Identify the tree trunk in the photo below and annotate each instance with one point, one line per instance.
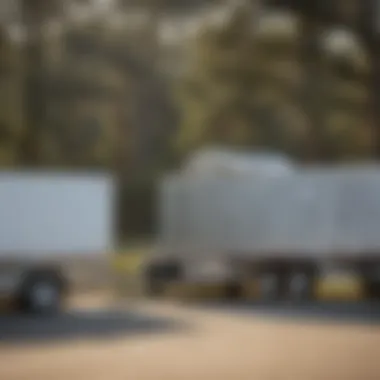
(34, 97)
(369, 30)
(35, 14)
(313, 90)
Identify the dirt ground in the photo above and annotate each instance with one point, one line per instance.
(212, 346)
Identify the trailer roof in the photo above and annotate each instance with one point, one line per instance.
(222, 161)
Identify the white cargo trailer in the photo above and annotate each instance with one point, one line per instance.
(55, 232)
(282, 228)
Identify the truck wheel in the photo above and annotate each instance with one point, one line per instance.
(158, 276)
(154, 284)
(300, 286)
(268, 286)
(41, 295)
(371, 278)
(154, 287)
(233, 291)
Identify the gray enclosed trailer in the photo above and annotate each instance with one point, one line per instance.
(283, 228)
(55, 232)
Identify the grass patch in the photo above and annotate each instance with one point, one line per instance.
(127, 264)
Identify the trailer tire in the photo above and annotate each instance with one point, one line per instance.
(42, 294)
(370, 273)
(300, 286)
(159, 275)
(269, 286)
(233, 291)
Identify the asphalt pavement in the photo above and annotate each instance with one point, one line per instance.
(79, 323)
(129, 322)
(353, 312)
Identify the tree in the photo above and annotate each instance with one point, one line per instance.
(12, 125)
(127, 81)
(84, 94)
(276, 87)
(35, 15)
(347, 116)
(368, 32)
(242, 89)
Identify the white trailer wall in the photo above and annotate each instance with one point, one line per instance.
(54, 214)
(273, 216)
(324, 212)
(357, 212)
(187, 215)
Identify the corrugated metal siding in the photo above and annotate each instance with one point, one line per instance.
(320, 212)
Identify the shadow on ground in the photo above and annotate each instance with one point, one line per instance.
(87, 324)
(357, 313)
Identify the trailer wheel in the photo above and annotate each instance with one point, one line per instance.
(300, 286)
(370, 274)
(233, 291)
(269, 286)
(158, 276)
(41, 294)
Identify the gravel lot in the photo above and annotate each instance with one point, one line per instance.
(96, 341)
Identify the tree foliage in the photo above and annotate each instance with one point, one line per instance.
(247, 85)
(92, 98)
(12, 121)
(84, 95)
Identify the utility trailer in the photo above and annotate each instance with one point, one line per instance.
(56, 230)
(283, 229)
